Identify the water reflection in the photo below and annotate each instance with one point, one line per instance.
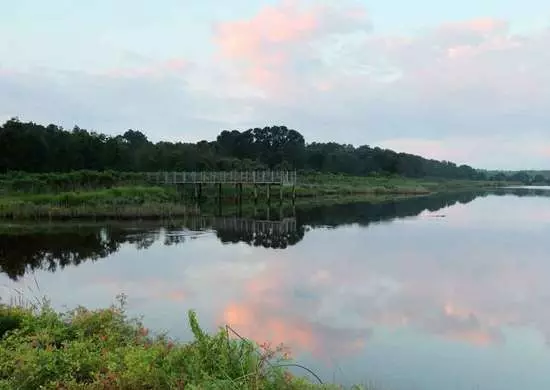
(49, 247)
(430, 303)
(366, 213)
(26, 248)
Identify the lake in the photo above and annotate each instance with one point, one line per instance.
(447, 291)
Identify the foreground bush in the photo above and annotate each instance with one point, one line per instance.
(103, 349)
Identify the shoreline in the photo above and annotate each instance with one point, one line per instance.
(157, 203)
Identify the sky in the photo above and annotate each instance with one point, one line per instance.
(462, 81)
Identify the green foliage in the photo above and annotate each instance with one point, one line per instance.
(31, 147)
(117, 202)
(103, 349)
(11, 319)
(37, 183)
(117, 195)
(124, 202)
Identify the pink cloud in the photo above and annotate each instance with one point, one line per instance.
(261, 42)
(267, 46)
(273, 24)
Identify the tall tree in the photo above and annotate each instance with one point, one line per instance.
(35, 148)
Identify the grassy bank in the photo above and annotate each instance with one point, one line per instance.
(52, 183)
(118, 203)
(318, 184)
(308, 184)
(104, 349)
(97, 195)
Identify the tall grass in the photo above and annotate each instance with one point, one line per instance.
(104, 349)
(118, 195)
(108, 194)
(40, 183)
(312, 184)
(119, 202)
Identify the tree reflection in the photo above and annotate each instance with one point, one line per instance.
(52, 248)
(366, 213)
(267, 239)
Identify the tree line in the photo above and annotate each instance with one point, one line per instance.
(30, 147)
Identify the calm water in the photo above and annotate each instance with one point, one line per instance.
(444, 292)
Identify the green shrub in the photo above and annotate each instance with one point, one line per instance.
(10, 319)
(103, 349)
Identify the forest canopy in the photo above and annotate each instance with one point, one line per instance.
(30, 147)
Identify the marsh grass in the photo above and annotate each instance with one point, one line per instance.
(313, 184)
(116, 203)
(82, 180)
(104, 195)
(105, 349)
(119, 212)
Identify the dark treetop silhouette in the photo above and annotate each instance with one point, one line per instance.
(34, 148)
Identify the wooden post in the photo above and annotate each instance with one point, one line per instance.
(281, 193)
(268, 193)
(220, 191)
(200, 191)
(180, 188)
(240, 193)
(255, 193)
(294, 183)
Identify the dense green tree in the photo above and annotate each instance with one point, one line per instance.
(521, 176)
(34, 148)
(539, 179)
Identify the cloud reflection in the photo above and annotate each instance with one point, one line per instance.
(465, 278)
(274, 310)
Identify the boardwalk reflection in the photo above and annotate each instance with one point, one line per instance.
(49, 247)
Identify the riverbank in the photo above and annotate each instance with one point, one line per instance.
(96, 195)
(117, 203)
(318, 184)
(104, 349)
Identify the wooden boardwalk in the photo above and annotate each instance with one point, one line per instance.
(284, 178)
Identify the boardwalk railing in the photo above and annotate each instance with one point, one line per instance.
(286, 225)
(286, 178)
